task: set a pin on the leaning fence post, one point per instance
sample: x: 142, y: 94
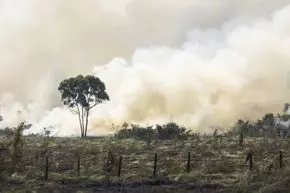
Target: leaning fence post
x: 250, y: 159
x: 120, y: 166
x: 155, y: 165
x: 46, y: 168
x: 79, y: 165
x: 188, y: 163
x: 280, y: 159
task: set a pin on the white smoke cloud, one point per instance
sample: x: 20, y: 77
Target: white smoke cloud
x: 202, y: 63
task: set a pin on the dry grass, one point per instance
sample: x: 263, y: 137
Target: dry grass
x: 215, y: 166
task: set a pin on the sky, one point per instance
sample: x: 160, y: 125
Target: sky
x: 200, y: 63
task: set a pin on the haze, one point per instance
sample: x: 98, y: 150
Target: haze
x: 201, y: 63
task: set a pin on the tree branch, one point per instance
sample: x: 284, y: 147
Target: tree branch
x: 74, y: 111
x: 96, y: 103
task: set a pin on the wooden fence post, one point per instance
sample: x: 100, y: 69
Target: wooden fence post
x: 250, y: 159
x: 120, y: 166
x: 280, y: 159
x: 188, y: 163
x: 46, y: 168
x: 241, y: 138
x: 79, y: 165
x: 155, y: 165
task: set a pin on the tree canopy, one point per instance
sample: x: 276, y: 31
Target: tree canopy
x: 80, y: 94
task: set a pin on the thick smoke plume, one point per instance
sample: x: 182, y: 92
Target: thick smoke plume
x: 200, y: 63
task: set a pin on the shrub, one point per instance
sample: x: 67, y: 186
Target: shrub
x: 136, y: 132
x: 168, y: 131
x: 171, y: 131
x: 11, y: 148
x: 4, y: 152
x: 17, y: 146
x: 6, y: 132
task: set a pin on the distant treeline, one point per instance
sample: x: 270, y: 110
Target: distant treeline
x: 268, y: 125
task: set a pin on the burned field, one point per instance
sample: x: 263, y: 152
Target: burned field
x: 107, y: 164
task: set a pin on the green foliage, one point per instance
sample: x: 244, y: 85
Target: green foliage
x: 80, y: 94
x: 171, y: 131
x: 9, y: 139
x: 6, y: 132
x: 46, y: 141
x: 4, y: 153
x: 241, y: 126
x: 284, y: 117
x: 17, y: 146
x: 168, y: 131
x: 136, y: 132
x: 269, y: 119
x: 85, y: 91
x: 260, y: 127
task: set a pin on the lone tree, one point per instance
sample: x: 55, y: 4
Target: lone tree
x: 80, y: 94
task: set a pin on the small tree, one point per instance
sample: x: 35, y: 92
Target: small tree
x: 17, y: 145
x: 80, y: 94
x: 242, y: 127
x: 259, y: 126
x: 46, y: 141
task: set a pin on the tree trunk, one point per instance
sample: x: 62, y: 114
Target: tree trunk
x: 83, y: 115
x: 87, y: 120
x: 80, y: 122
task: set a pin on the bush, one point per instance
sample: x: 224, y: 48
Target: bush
x: 6, y: 132
x: 136, y: 132
x: 171, y: 131
x: 168, y: 131
x: 17, y: 146
x: 11, y: 149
